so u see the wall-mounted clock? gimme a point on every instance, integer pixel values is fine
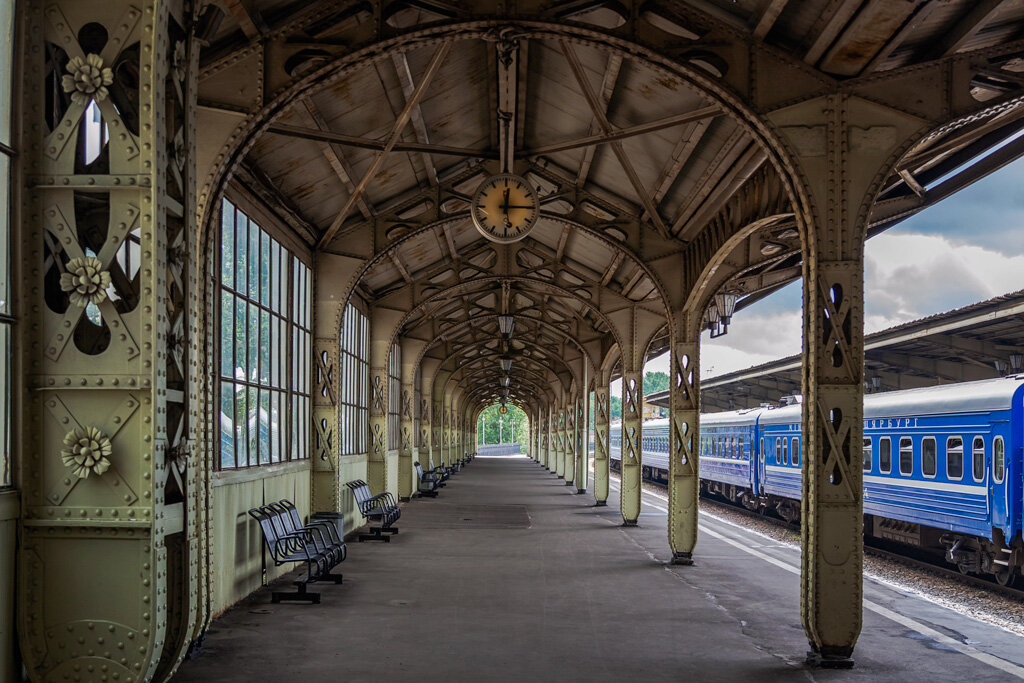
(505, 208)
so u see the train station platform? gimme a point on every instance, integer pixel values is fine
(511, 576)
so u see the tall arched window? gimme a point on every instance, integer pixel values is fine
(354, 382)
(265, 320)
(394, 397)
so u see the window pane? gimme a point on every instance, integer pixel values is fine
(264, 347)
(275, 427)
(241, 252)
(227, 244)
(241, 434)
(241, 339)
(906, 455)
(867, 455)
(253, 424)
(795, 448)
(954, 457)
(978, 458)
(264, 426)
(254, 260)
(5, 218)
(6, 72)
(275, 276)
(884, 456)
(998, 460)
(227, 334)
(264, 268)
(928, 459)
(227, 425)
(6, 475)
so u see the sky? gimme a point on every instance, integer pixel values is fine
(965, 249)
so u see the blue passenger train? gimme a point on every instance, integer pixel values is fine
(943, 467)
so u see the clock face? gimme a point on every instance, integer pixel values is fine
(505, 208)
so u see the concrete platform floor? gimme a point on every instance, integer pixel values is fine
(511, 576)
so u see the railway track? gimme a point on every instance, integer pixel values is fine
(1014, 592)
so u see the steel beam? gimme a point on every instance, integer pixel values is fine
(632, 452)
(684, 450)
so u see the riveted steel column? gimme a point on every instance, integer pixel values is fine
(114, 491)
(629, 491)
(544, 435)
(424, 450)
(602, 416)
(437, 433)
(560, 438)
(684, 451)
(582, 445)
(569, 468)
(377, 462)
(405, 476)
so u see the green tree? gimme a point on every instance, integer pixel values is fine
(512, 427)
(655, 382)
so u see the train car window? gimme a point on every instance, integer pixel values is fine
(884, 455)
(785, 452)
(867, 454)
(778, 451)
(762, 449)
(978, 458)
(906, 455)
(998, 460)
(742, 455)
(928, 460)
(794, 451)
(735, 451)
(954, 458)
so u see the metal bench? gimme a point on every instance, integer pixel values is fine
(289, 540)
(428, 482)
(380, 511)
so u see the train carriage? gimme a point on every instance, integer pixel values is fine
(942, 467)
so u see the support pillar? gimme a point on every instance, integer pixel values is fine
(602, 431)
(405, 469)
(560, 439)
(569, 468)
(582, 443)
(684, 450)
(376, 462)
(632, 418)
(437, 434)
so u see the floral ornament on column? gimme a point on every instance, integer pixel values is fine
(85, 281)
(86, 451)
(87, 79)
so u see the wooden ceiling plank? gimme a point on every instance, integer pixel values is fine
(396, 132)
(768, 17)
(246, 21)
(711, 176)
(680, 155)
(401, 63)
(377, 145)
(704, 113)
(968, 27)
(627, 166)
(611, 76)
(335, 157)
(839, 15)
(916, 18)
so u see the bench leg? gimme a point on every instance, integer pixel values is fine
(374, 535)
(333, 577)
(391, 530)
(300, 594)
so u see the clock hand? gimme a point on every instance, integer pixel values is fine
(504, 205)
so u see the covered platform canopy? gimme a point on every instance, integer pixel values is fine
(262, 248)
(980, 341)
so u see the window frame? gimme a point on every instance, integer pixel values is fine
(280, 381)
(950, 477)
(778, 450)
(925, 440)
(353, 381)
(8, 275)
(888, 443)
(867, 449)
(794, 451)
(975, 451)
(900, 452)
(998, 460)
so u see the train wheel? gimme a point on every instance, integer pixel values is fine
(1004, 576)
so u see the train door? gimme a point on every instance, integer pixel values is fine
(998, 483)
(759, 475)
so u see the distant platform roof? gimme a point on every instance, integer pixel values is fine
(969, 343)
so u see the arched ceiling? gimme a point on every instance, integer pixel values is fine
(629, 158)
